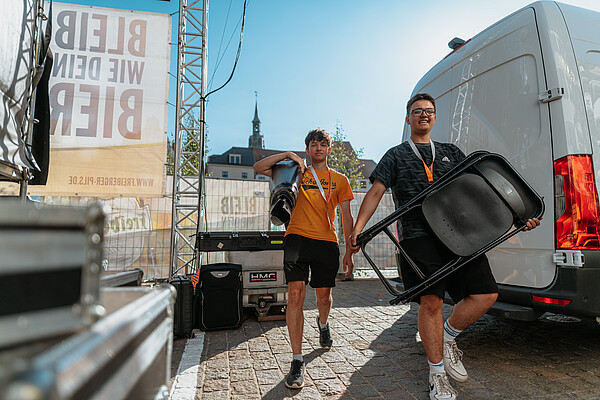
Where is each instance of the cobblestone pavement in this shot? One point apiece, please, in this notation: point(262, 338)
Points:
point(377, 354)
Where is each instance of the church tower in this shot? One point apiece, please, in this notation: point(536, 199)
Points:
point(256, 140)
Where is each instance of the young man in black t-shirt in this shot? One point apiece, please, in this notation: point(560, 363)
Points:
point(408, 169)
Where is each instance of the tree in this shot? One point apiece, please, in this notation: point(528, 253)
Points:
point(344, 158)
point(189, 148)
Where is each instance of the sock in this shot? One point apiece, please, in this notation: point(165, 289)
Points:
point(450, 333)
point(298, 357)
point(322, 326)
point(436, 368)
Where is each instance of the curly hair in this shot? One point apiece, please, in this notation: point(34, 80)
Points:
point(319, 135)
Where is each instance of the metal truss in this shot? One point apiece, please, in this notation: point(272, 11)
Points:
point(188, 166)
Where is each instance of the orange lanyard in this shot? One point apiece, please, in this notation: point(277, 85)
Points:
point(428, 169)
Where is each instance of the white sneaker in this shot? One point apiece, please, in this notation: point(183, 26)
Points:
point(453, 362)
point(439, 387)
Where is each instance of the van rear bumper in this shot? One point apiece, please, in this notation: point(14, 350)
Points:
point(579, 285)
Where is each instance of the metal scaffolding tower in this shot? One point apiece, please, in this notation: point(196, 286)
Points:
point(188, 166)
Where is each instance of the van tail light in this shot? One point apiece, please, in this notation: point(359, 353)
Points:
point(576, 204)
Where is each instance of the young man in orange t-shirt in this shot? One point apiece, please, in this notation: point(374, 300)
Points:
point(311, 241)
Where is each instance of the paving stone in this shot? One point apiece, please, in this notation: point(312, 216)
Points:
point(219, 395)
point(382, 361)
point(383, 383)
point(216, 373)
point(352, 378)
point(345, 396)
point(306, 393)
point(237, 375)
point(341, 367)
point(365, 391)
point(245, 396)
point(261, 355)
point(369, 370)
point(358, 361)
point(240, 363)
point(314, 361)
point(332, 356)
point(281, 349)
point(330, 387)
point(269, 376)
point(401, 395)
point(244, 387)
point(238, 354)
point(259, 347)
point(320, 373)
point(268, 363)
point(215, 385)
point(274, 392)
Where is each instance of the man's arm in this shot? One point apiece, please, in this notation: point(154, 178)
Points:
point(367, 208)
point(265, 165)
point(348, 224)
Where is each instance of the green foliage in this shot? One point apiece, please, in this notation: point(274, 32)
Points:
point(189, 149)
point(344, 159)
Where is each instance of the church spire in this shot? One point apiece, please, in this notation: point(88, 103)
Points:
point(256, 120)
point(256, 140)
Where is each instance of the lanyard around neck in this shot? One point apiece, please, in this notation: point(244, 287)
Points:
point(428, 169)
point(326, 198)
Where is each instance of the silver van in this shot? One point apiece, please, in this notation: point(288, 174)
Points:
point(528, 87)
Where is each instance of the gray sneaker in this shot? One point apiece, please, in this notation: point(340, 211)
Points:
point(295, 378)
point(324, 336)
point(453, 362)
point(439, 387)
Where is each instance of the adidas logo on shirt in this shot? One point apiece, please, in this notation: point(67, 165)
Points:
point(446, 159)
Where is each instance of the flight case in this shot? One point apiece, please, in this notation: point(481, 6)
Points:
point(261, 255)
point(49, 270)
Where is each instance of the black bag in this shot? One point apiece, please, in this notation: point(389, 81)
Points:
point(183, 310)
point(219, 296)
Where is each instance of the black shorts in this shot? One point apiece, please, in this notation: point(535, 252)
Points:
point(321, 256)
point(430, 254)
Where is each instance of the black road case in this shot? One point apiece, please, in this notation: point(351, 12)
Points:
point(183, 313)
point(50, 260)
point(239, 241)
point(219, 292)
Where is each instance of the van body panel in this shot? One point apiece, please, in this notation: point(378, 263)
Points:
point(570, 132)
point(584, 28)
point(579, 285)
point(492, 99)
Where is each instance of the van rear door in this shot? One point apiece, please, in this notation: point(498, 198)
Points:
point(584, 29)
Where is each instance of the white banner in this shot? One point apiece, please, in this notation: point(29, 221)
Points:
point(108, 102)
point(109, 84)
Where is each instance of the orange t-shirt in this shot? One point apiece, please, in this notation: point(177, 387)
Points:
point(309, 215)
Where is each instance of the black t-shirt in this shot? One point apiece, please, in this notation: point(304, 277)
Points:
point(401, 170)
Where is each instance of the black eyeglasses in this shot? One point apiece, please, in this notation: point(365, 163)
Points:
point(419, 111)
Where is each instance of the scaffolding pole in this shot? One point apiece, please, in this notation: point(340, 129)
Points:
point(188, 165)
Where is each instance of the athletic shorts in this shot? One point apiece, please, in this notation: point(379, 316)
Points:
point(430, 254)
point(321, 257)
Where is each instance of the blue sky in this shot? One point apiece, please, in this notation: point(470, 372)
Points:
point(315, 63)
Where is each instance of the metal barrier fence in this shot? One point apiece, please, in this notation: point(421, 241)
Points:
point(137, 230)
